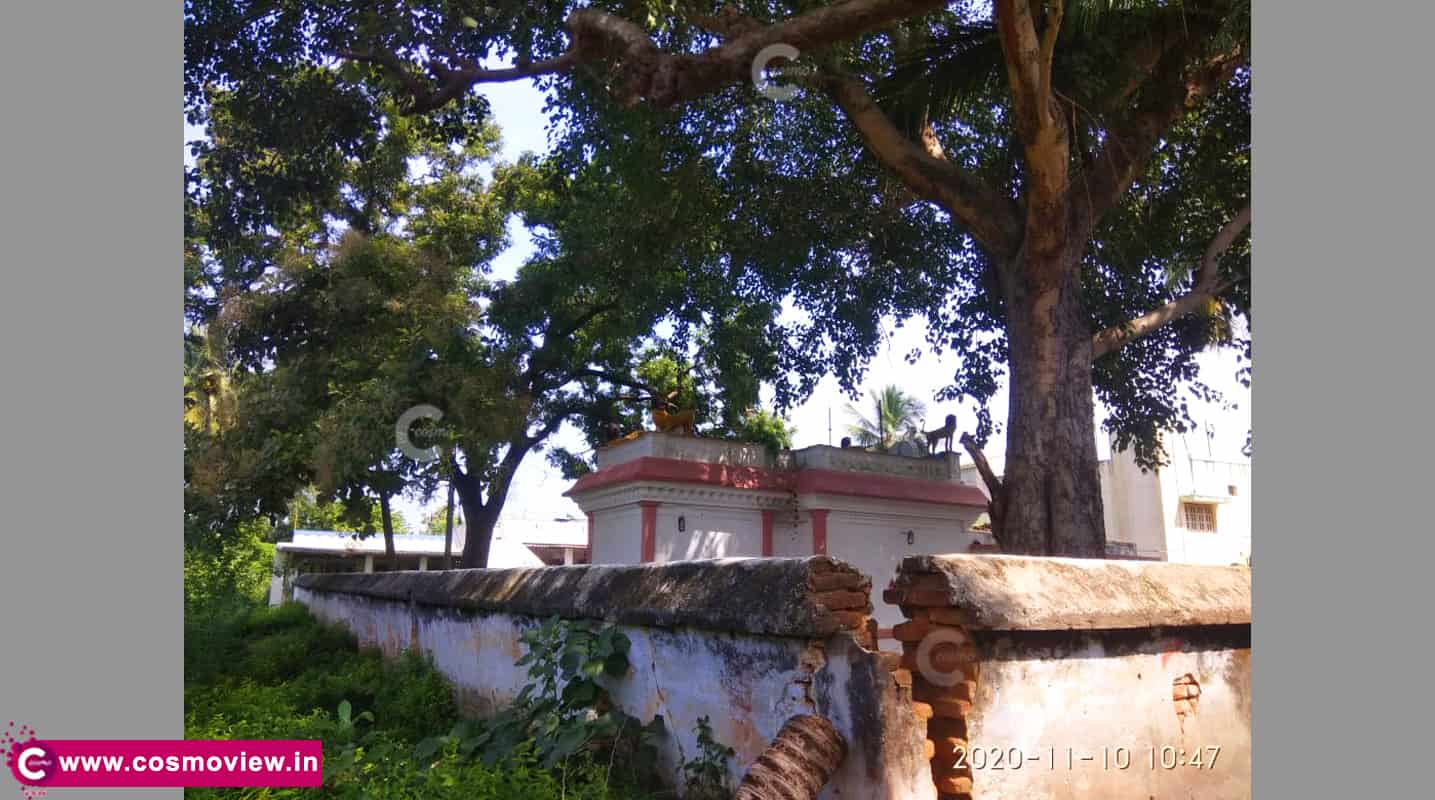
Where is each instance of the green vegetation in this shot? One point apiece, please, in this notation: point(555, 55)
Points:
point(280, 674)
point(308, 512)
point(767, 429)
point(391, 730)
point(896, 417)
point(436, 521)
point(333, 305)
point(224, 574)
point(707, 774)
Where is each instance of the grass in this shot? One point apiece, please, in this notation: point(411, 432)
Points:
point(281, 674)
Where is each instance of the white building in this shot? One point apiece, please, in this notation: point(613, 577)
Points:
point(1195, 510)
point(660, 497)
point(521, 541)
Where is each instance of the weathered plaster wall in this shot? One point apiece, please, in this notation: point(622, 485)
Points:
point(1030, 678)
point(1093, 715)
point(1057, 679)
point(616, 549)
point(748, 643)
point(792, 534)
point(707, 532)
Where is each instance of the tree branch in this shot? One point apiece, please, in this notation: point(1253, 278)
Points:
point(556, 418)
point(996, 506)
point(583, 319)
point(543, 358)
point(665, 80)
point(1048, 45)
point(1044, 134)
point(1208, 286)
point(1022, 53)
point(612, 377)
point(1130, 144)
point(991, 218)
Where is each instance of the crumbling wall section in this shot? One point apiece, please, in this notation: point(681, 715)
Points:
point(1057, 679)
point(748, 643)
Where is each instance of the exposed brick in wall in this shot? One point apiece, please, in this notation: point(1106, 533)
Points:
point(939, 653)
point(847, 594)
point(990, 641)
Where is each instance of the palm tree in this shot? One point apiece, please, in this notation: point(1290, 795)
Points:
point(210, 399)
point(898, 416)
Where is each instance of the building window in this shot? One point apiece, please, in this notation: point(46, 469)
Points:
point(1198, 517)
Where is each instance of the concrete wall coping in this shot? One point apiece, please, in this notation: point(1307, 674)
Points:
point(1005, 592)
point(764, 596)
point(652, 444)
point(944, 467)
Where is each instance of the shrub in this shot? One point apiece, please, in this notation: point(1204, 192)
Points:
point(707, 776)
point(281, 674)
point(225, 575)
point(767, 429)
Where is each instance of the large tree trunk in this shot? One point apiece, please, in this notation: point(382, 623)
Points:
point(481, 516)
point(479, 520)
point(448, 531)
point(477, 530)
point(1051, 490)
point(388, 520)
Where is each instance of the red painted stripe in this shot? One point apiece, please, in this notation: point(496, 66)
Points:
point(891, 487)
point(767, 519)
point(650, 530)
point(819, 531)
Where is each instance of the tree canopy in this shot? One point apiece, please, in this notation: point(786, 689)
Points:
point(1060, 189)
point(345, 302)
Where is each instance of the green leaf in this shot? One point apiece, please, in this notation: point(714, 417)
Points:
point(616, 665)
point(425, 750)
point(569, 741)
point(581, 693)
point(571, 661)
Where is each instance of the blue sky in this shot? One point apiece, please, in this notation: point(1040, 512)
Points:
point(537, 490)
